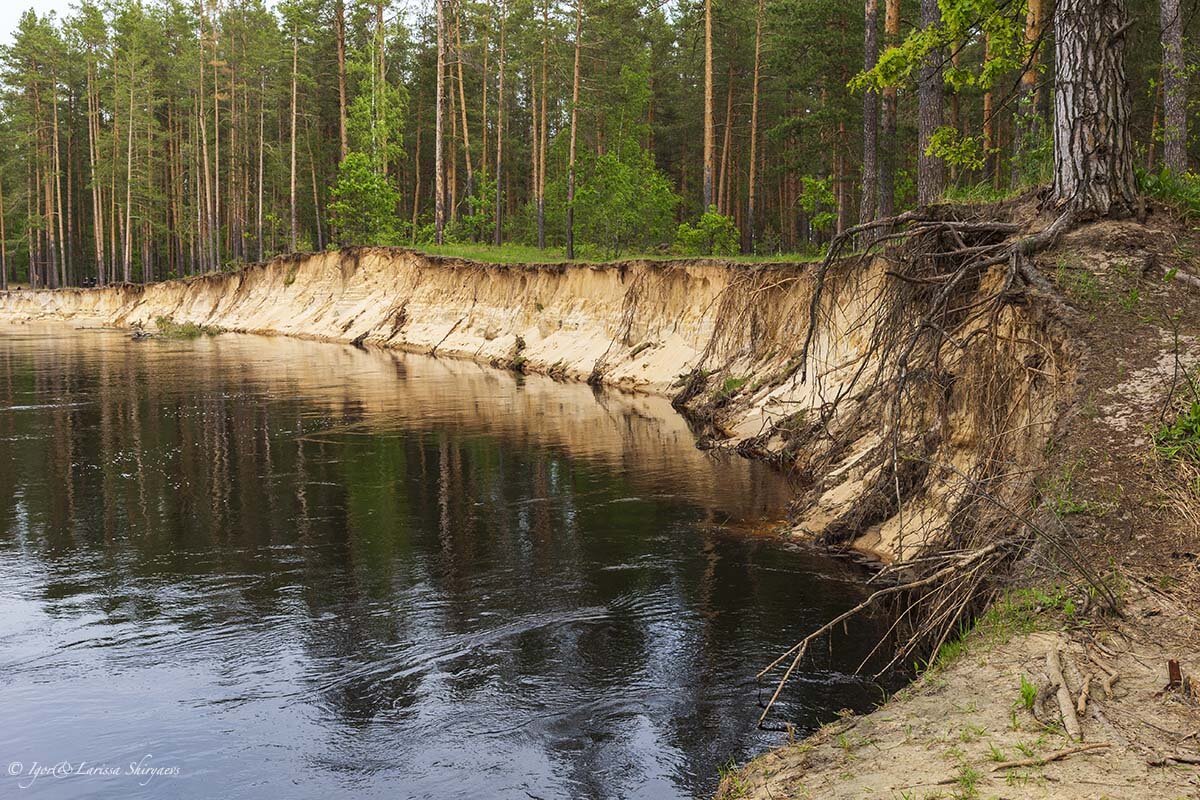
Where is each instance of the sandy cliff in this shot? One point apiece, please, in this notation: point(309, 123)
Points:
point(720, 339)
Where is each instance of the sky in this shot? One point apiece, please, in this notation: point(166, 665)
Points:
point(11, 11)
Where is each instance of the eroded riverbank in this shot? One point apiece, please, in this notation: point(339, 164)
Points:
point(719, 339)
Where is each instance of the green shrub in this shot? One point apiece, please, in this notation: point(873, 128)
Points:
point(363, 206)
point(714, 234)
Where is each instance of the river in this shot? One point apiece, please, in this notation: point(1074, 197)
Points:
point(252, 567)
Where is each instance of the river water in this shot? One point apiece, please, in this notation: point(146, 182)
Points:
point(267, 568)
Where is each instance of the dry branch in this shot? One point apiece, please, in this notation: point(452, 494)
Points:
point(1057, 755)
point(1063, 694)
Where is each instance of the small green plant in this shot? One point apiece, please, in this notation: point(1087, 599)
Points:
point(1059, 492)
point(729, 388)
point(731, 776)
point(1079, 282)
point(995, 753)
point(1179, 440)
point(1129, 300)
point(1181, 190)
point(170, 329)
point(967, 783)
point(1029, 692)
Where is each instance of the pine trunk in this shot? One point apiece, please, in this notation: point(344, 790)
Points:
point(339, 26)
point(293, 241)
point(887, 150)
point(574, 128)
point(1175, 81)
point(752, 183)
point(709, 133)
point(1093, 154)
point(439, 168)
point(870, 170)
point(931, 177)
point(496, 234)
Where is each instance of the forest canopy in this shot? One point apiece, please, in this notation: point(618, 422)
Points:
point(146, 140)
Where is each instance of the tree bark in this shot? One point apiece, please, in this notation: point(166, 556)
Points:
point(496, 234)
point(339, 25)
point(3, 246)
point(709, 133)
point(989, 128)
point(462, 105)
point(870, 170)
point(726, 145)
point(439, 168)
point(1093, 154)
point(574, 128)
point(931, 171)
point(887, 150)
point(1174, 75)
point(752, 184)
point(542, 134)
point(1027, 121)
point(261, 148)
point(294, 234)
point(126, 265)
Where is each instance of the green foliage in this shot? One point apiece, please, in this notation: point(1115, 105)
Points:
point(818, 202)
point(170, 329)
point(363, 205)
point(950, 145)
point(624, 202)
point(961, 20)
point(714, 234)
point(1179, 440)
point(1182, 191)
point(1033, 160)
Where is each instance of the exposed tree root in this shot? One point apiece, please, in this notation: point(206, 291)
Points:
point(943, 324)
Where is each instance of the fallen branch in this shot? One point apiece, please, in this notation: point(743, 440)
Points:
point(1081, 706)
point(1057, 755)
point(1063, 694)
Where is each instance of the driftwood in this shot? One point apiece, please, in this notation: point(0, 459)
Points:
point(1063, 693)
point(1057, 755)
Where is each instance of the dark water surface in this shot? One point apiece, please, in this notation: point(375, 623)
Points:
point(286, 569)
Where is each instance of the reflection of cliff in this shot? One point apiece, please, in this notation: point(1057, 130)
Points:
point(352, 392)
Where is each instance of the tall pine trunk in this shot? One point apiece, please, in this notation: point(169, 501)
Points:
point(462, 108)
point(887, 150)
point(752, 183)
point(339, 29)
point(294, 233)
point(1093, 154)
point(574, 128)
point(542, 133)
point(709, 133)
point(496, 234)
point(870, 171)
point(439, 167)
point(1175, 81)
point(931, 171)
